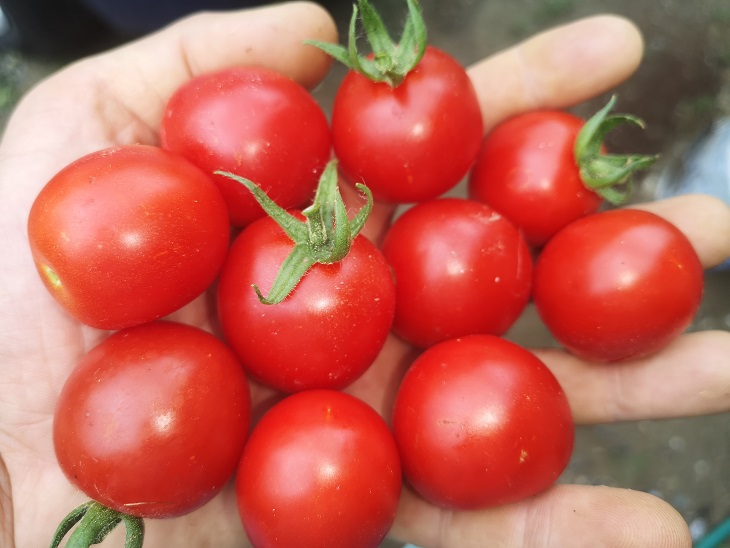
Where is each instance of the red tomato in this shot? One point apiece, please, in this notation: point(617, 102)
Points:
point(460, 268)
point(127, 235)
point(413, 142)
point(480, 421)
point(326, 333)
point(526, 170)
point(152, 422)
point(255, 123)
point(321, 469)
point(618, 284)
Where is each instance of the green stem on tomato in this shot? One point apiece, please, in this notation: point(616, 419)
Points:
point(95, 521)
point(608, 175)
point(389, 61)
point(324, 236)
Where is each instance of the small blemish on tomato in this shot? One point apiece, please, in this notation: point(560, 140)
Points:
point(51, 276)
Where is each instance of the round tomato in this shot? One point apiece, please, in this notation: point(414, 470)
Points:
point(326, 332)
point(257, 124)
point(152, 422)
point(460, 268)
point(127, 235)
point(526, 169)
point(321, 469)
point(411, 142)
point(480, 421)
point(617, 284)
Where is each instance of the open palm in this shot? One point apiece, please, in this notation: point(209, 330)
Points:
point(118, 98)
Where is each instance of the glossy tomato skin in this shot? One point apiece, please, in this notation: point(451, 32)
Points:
point(256, 123)
point(413, 142)
point(321, 469)
point(326, 333)
point(618, 284)
point(526, 170)
point(480, 421)
point(460, 268)
point(152, 422)
point(127, 235)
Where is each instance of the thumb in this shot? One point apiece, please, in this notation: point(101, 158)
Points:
point(124, 91)
point(143, 74)
point(565, 515)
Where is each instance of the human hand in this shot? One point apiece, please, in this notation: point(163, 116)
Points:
point(118, 98)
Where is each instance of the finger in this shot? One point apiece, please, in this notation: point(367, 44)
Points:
point(144, 73)
point(558, 68)
point(271, 36)
point(566, 516)
point(690, 377)
point(119, 97)
point(704, 219)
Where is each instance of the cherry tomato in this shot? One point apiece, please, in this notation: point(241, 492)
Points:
point(413, 142)
point(526, 169)
point(152, 422)
point(326, 333)
point(127, 235)
point(617, 284)
point(256, 123)
point(460, 268)
point(321, 469)
point(480, 421)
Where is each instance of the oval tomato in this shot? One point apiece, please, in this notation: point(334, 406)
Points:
point(325, 333)
point(618, 284)
point(480, 421)
point(152, 422)
point(127, 235)
point(413, 142)
point(460, 268)
point(321, 469)
point(257, 124)
point(526, 169)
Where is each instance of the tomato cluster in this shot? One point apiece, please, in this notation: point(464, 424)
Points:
point(125, 236)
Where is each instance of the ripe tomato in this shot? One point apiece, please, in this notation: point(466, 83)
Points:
point(326, 333)
point(412, 142)
point(545, 169)
point(256, 123)
point(618, 284)
point(460, 268)
point(152, 422)
point(480, 421)
point(127, 235)
point(321, 469)
point(526, 169)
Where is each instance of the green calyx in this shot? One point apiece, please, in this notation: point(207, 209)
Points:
point(389, 61)
point(324, 236)
point(608, 175)
point(95, 522)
